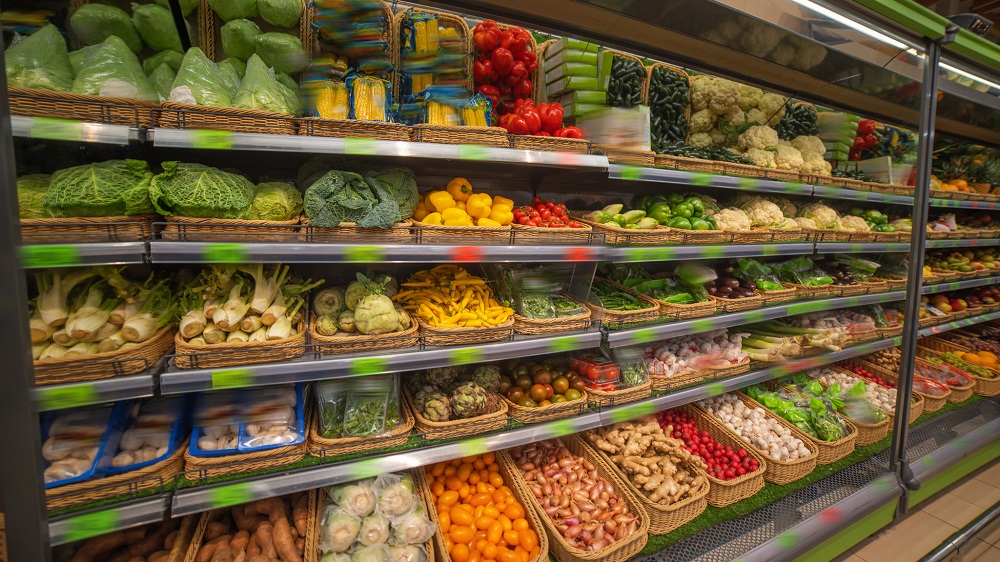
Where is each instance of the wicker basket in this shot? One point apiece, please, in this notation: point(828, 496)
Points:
point(621, 550)
point(682, 236)
point(324, 447)
point(778, 471)
point(187, 356)
point(777, 297)
point(210, 26)
point(354, 128)
point(727, 492)
point(628, 157)
point(851, 290)
point(930, 403)
point(80, 107)
point(461, 134)
point(661, 384)
point(984, 386)
point(154, 476)
point(819, 291)
point(494, 419)
point(538, 326)
point(893, 281)
point(463, 235)
point(522, 497)
point(433, 335)
point(551, 412)
point(688, 311)
point(958, 393)
point(172, 115)
point(105, 365)
point(446, 20)
point(692, 164)
point(892, 237)
point(614, 235)
point(607, 399)
point(230, 230)
point(831, 451)
point(868, 433)
point(402, 232)
point(739, 368)
point(916, 400)
point(860, 337)
point(874, 286)
point(342, 342)
point(783, 235)
point(199, 468)
point(739, 305)
point(75, 230)
point(662, 519)
point(541, 236)
point(886, 333)
point(549, 144)
point(651, 312)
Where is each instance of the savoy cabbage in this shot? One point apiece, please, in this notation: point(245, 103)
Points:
point(338, 197)
point(31, 190)
point(100, 189)
point(196, 190)
point(276, 201)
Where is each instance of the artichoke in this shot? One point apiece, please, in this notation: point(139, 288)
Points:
point(346, 321)
point(326, 325)
point(441, 376)
point(469, 400)
point(488, 377)
point(422, 394)
point(437, 407)
point(375, 314)
point(415, 381)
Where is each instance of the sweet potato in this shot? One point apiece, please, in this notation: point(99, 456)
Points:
point(222, 553)
point(207, 551)
point(241, 557)
point(168, 543)
point(273, 508)
point(259, 558)
point(265, 541)
point(215, 530)
point(98, 548)
point(239, 542)
point(150, 544)
point(158, 556)
point(283, 541)
point(136, 559)
point(252, 547)
point(300, 544)
point(300, 514)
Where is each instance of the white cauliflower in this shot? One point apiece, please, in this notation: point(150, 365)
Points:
point(788, 158)
point(760, 38)
point(773, 107)
point(756, 116)
point(724, 97)
point(733, 121)
point(701, 93)
point(703, 120)
point(718, 137)
point(760, 137)
point(701, 140)
point(732, 218)
point(806, 144)
point(749, 97)
point(786, 224)
point(806, 223)
point(824, 216)
point(763, 213)
point(758, 157)
point(785, 204)
point(813, 163)
point(854, 224)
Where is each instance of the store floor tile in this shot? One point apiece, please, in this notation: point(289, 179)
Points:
point(951, 509)
point(990, 474)
point(976, 551)
point(978, 492)
point(991, 533)
point(908, 541)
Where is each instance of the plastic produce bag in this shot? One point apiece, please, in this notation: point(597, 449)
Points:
point(413, 527)
point(282, 13)
point(173, 59)
point(187, 6)
point(229, 76)
point(40, 61)
point(156, 26)
point(92, 24)
point(801, 271)
point(364, 412)
point(238, 38)
point(331, 398)
point(162, 78)
point(861, 269)
point(762, 276)
point(407, 553)
point(240, 67)
point(260, 91)
point(198, 82)
point(338, 529)
point(113, 70)
point(374, 553)
point(281, 51)
point(230, 10)
point(357, 498)
point(374, 530)
point(394, 494)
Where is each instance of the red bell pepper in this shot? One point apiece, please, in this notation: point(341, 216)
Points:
point(491, 92)
point(505, 90)
point(569, 133)
point(486, 35)
point(517, 126)
point(518, 70)
point(513, 39)
point(552, 117)
point(542, 134)
point(482, 71)
point(506, 107)
point(531, 117)
point(865, 127)
point(523, 88)
point(529, 59)
point(521, 102)
point(503, 60)
point(870, 140)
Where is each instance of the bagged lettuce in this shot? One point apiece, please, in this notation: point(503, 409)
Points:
point(170, 58)
point(40, 61)
point(260, 90)
point(239, 66)
point(155, 25)
point(230, 10)
point(238, 38)
point(281, 51)
point(287, 80)
point(187, 6)
point(92, 24)
point(282, 13)
point(162, 78)
point(113, 70)
point(229, 76)
point(198, 82)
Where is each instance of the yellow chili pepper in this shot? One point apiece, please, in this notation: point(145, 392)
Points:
point(432, 218)
point(460, 189)
point(479, 205)
point(441, 200)
point(498, 200)
point(420, 211)
point(502, 213)
point(487, 222)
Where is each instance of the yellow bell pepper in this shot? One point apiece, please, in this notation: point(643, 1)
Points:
point(461, 205)
point(432, 218)
point(454, 214)
point(502, 214)
point(420, 211)
point(479, 205)
point(441, 200)
point(487, 222)
point(460, 189)
point(498, 200)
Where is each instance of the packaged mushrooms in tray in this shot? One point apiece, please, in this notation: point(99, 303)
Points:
point(75, 442)
point(154, 432)
point(247, 420)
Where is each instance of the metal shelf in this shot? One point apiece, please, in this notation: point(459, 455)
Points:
point(71, 395)
point(956, 285)
point(37, 256)
point(861, 248)
point(705, 179)
point(69, 130)
point(974, 243)
point(955, 204)
point(956, 324)
point(76, 527)
point(670, 253)
point(857, 195)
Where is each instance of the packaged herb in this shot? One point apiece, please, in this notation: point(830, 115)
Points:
point(331, 399)
point(365, 410)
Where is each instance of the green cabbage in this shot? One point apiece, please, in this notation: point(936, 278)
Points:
point(401, 185)
point(238, 38)
point(276, 201)
point(162, 78)
point(113, 70)
point(230, 10)
point(187, 6)
point(31, 190)
point(94, 23)
point(282, 13)
point(259, 90)
point(155, 25)
point(281, 51)
point(172, 58)
point(287, 81)
point(40, 61)
point(239, 66)
point(101, 189)
point(77, 57)
point(196, 190)
point(338, 197)
point(200, 77)
point(230, 77)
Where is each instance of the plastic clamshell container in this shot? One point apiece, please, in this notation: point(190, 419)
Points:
point(116, 419)
point(256, 403)
point(174, 407)
point(298, 426)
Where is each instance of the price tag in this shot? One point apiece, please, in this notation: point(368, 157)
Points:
point(702, 325)
point(67, 396)
point(750, 184)
point(804, 307)
point(715, 389)
point(225, 253)
point(467, 254)
point(211, 139)
point(369, 366)
point(232, 378)
point(885, 484)
point(633, 411)
point(796, 187)
point(466, 356)
point(473, 152)
point(363, 254)
point(788, 539)
point(578, 254)
point(560, 428)
point(231, 494)
point(855, 248)
point(755, 316)
point(91, 525)
point(898, 340)
point(564, 344)
point(708, 252)
point(701, 179)
point(48, 255)
point(770, 249)
point(56, 129)
point(631, 173)
point(362, 147)
point(853, 301)
point(365, 468)
point(643, 335)
point(472, 447)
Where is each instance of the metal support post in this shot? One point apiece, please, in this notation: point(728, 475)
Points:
point(928, 110)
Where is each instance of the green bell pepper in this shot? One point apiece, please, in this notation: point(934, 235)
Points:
point(675, 198)
point(660, 212)
point(642, 201)
point(700, 224)
point(684, 210)
point(856, 212)
point(876, 217)
point(679, 222)
point(697, 205)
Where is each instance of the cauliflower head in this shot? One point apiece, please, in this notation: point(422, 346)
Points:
point(724, 96)
point(806, 144)
point(702, 121)
point(786, 224)
point(806, 223)
point(785, 204)
point(718, 137)
point(762, 212)
point(773, 107)
point(756, 116)
point(854, 224)
point(758, 157)
point(701, 140)
point(760, 137)
point(732, 218)
point(749, 97)
point(788, 158)
point(701, 93)
point(813, 163)
point(824, 216)
point(733, 121)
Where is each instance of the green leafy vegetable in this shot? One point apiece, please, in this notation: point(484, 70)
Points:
point(282, 13)
point(259, 90)
point(238, 38)
point(230, 10)
point(102, 189)
point(199, 79)
point(155, 25)
point(93, 23)
point(31, 190)
point(238, 66)
point(338, 197)
point(229, 75)
point(281, 51)
point(40, 61)
point(276, 201)
point(162, 78)
point(170, 58)
point(196, 190)
point(111, 69)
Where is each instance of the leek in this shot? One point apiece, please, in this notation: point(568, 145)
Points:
point(237, 336)
point(282, 327)
point(53, 351)
point(112, 342)
point(213, 334)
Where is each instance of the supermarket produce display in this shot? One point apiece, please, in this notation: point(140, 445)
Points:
point(432, 286)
